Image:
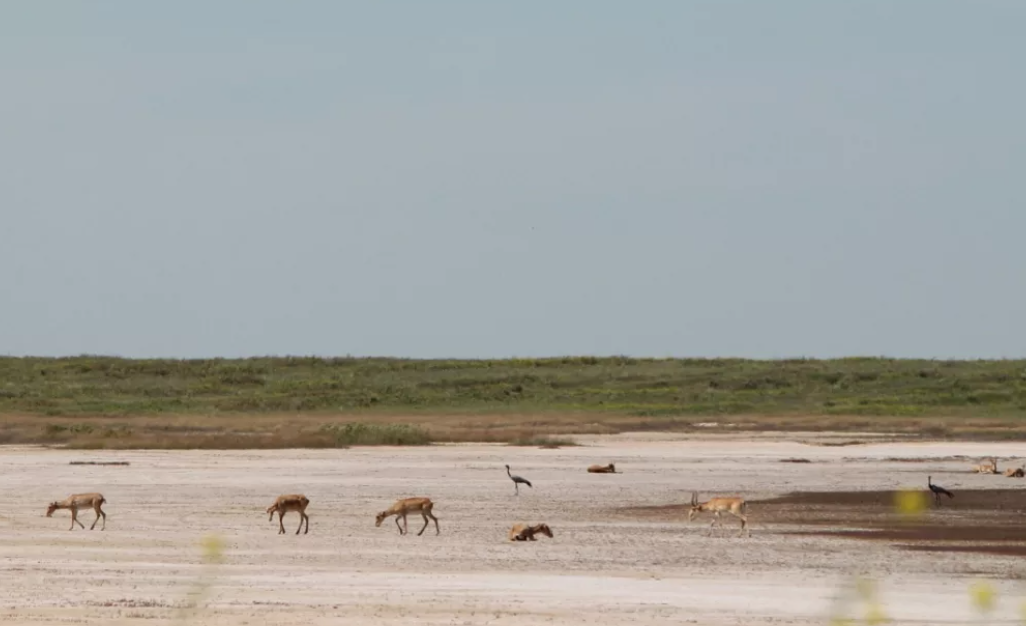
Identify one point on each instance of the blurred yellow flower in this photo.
(213, 548)
(865, 587)
(875, 614)
(910, 502)
(983, 595)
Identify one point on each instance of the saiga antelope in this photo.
(735, 506)
(523, 532)
(78, 501)
(1018, 472)
(602, 469)
(409, 505)
(987, 466)
(292, 502)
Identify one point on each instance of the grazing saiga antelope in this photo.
(78, 501)
(523, 532)
(987, 466)
(409, 505)
(602, 469)
(735, 506)
(291, 502)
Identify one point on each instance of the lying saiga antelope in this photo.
(735, 506)
(78, 501)
(602, 469)
(523, 532)
(987, 466)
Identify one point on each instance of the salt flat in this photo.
(604, 566)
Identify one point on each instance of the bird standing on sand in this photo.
(937, 490)
(517, 480)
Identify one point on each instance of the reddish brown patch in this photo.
(986, 521)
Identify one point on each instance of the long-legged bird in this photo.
(517, 480)
(937, 490)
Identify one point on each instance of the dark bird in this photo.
(517, 480)
(937, 490)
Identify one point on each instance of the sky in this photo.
(466, 179)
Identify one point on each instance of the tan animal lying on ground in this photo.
(602, 469)
(292, 502)
(409, 505)
(987, 466)
(1018, 472)
(78, 501)
(523, 532)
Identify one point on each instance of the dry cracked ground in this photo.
(623, 551)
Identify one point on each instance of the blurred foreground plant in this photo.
(911, 503)
(983, 596)
(862, 593)
(213, 556)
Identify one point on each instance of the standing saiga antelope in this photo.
(409, 505)
(292, 502)
(78, 501)
(735, 506)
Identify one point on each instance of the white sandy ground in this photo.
(600, 568)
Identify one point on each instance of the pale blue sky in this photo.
(486, 179)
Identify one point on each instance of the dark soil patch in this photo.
(997, 548)
(97, 462)
(925, 459)
(929, 532)
(873, 502)
(989, 521)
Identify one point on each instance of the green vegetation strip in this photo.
(856, 386)
(99, 401)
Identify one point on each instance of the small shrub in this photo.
(361, 434)
(543, 442)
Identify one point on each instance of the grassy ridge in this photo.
(608, 393)
(859, 386)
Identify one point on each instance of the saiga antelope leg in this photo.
(98, 513)
(281, 525)
(744, 523)
(398, 525)
(716, 518)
